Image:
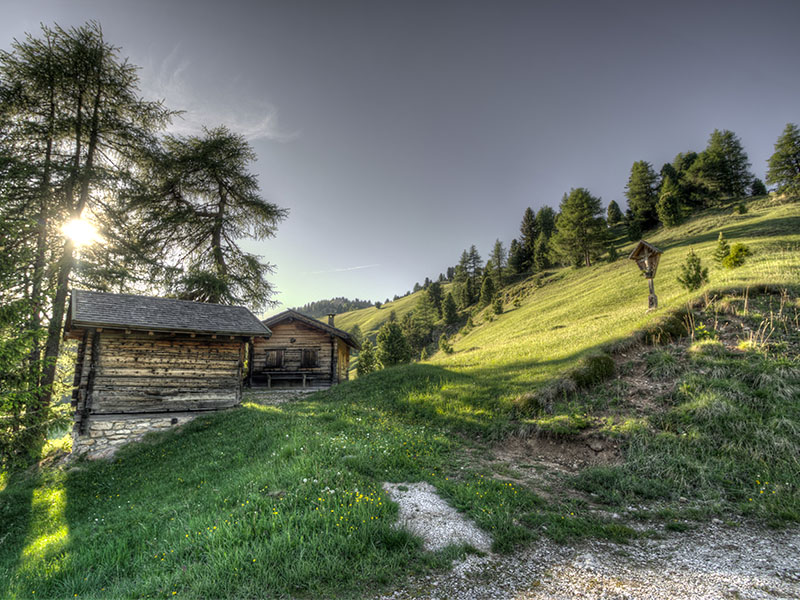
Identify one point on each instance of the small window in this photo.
(310, 359)
(274, 359)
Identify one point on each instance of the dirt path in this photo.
(714, 562)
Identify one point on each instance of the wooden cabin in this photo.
(301, 353)
(146, 364)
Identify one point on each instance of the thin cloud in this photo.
(343, 269)
(245, 114)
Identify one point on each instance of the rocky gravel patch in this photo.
(425, 514)
(712, 562)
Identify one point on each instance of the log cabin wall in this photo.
(291, 339)
(127, 384)
(344, 361)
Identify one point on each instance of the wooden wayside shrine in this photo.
(647, 257)
(301, 353)
(148, 363)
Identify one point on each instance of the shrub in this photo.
(533, 404)
(497, 306)
(740, 209)
(662, 364)
(736, 256)
(593, 369)
(693, 275)
(722, 250)
(666, 329)
(444, 345)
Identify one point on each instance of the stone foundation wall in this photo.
(106, 433)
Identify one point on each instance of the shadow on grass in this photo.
(16, 517)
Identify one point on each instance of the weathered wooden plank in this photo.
(168, 371)
(144, 384)
(167, 405)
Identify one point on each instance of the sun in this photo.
(81, 232)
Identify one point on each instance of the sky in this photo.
(400, 133)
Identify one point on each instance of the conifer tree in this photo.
(692, 275)
(499, 261)
(515, 258)
(784, 164)
(541, 253)
(212, 201)
(641, 193)
(580, 230)
(487, 291)
(669, 204)
(546, 221)
(435, 296)
(474, 263)
(444, 344)
(77, 119)
(757, 188)
(614, 214)
(355, 333)
(527, 239)
(722, 250)
(723, 168)
(497, 305)
(367, 361)
(449, 309)
(393, 347)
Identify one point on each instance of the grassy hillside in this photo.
(287, 500)
(370, 319)
(569, 312)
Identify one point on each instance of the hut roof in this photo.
(643, 247)
(312, 322)
(145, 313)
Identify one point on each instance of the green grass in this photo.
(287, 500)
(370, 319)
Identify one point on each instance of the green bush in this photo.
(497, 306)
(593, 369)
(693, 275)
(736, 256)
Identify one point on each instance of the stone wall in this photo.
(106, 433)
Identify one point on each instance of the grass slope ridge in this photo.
(287, 501)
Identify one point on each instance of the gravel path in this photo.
(712, 562)
(425, 514)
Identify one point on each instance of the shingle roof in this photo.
(293, 314)
(100, 309)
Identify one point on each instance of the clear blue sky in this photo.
(399, 133)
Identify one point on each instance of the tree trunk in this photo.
(40, 262)
(67, 262)
(216, 236)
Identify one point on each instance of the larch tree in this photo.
(581, 229)
(435, 296)
(450, 309)
(784, 164)
(393, 348)
(528, 231)
(499, 261)
(669, 203)
(72, 107)
(613, 214)
(641, 193)
(723, 167)
(211, 200)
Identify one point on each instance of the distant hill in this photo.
(336, 306)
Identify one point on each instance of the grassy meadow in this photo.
(286, 500)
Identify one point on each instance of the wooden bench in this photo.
(306, 378)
